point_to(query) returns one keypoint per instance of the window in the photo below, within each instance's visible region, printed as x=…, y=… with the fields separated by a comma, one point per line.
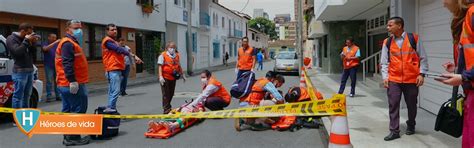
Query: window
x=176, y=2
x=223, y=22
x=215, y=50
x=43, y=32
x=184, y=3
x=143, y=2
x=231, y=49
x=3, y=50
x=193, y=41
x=253, y=36
x=235, y=49
x=99, y=34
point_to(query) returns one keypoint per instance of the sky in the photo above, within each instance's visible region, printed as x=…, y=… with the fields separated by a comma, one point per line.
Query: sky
x=272, y=7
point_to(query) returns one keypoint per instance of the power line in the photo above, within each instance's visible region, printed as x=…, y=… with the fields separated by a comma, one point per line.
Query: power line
x=245, y=6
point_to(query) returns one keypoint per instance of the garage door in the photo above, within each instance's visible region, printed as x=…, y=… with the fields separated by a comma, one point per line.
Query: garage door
x=203, y=51
x=434, y=30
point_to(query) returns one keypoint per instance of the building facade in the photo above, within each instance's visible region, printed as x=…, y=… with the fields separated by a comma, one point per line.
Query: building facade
x=260, y=13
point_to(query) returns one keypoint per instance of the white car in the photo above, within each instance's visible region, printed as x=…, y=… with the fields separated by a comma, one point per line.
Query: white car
x=286, y=61
x=6, y=82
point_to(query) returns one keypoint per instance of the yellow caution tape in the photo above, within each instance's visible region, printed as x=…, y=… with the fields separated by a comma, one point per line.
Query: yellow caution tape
x=334, y=106
x=310, y=86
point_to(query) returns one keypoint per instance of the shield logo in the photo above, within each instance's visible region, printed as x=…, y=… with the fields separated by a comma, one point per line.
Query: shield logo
x=26, y=119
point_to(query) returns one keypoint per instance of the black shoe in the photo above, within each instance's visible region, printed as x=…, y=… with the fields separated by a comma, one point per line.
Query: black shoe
x=74, y=140
x=391, y=136
x=58, y=99
x=410, y=131
x=259, y=127
x=124, y=93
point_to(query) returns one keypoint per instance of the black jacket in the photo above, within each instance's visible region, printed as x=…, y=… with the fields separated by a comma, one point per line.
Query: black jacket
x=22, y=53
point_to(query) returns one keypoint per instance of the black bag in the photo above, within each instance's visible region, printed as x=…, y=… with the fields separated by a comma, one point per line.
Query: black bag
x=449, y=120
x=176, y=75
x=243, y=86
x=110, y=126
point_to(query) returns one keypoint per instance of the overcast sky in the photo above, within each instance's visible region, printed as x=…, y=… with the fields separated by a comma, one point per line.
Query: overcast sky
x=272, y=7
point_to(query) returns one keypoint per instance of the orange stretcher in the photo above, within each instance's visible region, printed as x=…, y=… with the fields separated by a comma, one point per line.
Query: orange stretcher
x=284, y=123
x=164, y=133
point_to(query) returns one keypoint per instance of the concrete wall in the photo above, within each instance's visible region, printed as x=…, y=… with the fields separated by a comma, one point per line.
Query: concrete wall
x=175, y=13
x=407, y=10
x=121, y=12
x=338, y=32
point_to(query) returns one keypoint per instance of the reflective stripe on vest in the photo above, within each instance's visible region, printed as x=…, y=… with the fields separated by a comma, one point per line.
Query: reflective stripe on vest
x=352, y=53
x=169, y=66
x=245, y=59
x=404, y=65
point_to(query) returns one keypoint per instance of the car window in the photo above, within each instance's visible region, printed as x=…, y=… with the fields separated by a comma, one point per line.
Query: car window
x=287, y=56
x=3, y=50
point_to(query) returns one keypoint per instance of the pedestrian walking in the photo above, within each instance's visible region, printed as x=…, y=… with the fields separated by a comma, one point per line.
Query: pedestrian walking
x=21, y=47
x=260, y=60
x=114, y=63
x=128, y=65
x=72, y=75
x=49, y=54
x=350, y=60
x=246, y=58
x=226, y=58
x=169, y=70
x=404, y=64
x=463, y=35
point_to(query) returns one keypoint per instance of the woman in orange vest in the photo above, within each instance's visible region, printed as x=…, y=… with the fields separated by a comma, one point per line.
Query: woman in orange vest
x=463, y=40
x=350, y=60
x=246, y=58
x=214, y=96
x=270, y=83
x=169, y=70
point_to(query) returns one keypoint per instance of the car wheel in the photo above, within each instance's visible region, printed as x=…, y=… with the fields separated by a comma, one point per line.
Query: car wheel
x=34, y=98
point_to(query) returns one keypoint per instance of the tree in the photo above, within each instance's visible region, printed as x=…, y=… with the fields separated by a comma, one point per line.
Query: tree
x=263, y=25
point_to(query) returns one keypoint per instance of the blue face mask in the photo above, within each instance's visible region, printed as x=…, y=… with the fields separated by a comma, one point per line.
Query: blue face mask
x=78, y=35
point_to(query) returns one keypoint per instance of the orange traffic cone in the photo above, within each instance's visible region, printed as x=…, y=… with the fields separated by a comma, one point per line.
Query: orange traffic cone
x=339, y=137
x=302, y=80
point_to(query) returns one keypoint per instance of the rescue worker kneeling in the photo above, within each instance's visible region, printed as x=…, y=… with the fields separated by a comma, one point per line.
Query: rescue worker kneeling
x=270, y=83
x=214, y=97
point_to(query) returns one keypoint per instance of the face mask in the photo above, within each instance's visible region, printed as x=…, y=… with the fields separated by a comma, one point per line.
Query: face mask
x=204, y=81
x=171, y=50
x=78, y=35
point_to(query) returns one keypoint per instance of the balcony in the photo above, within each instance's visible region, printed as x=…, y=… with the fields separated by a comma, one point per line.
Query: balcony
x=238, y=33
x=205, y=20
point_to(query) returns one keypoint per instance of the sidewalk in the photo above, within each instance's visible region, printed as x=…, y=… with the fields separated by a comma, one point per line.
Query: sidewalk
x=368, y=118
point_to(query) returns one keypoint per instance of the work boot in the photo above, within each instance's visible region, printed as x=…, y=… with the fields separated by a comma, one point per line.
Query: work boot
x=391, y=136
x=75, y=140
x=259, y=127
x=410, y=131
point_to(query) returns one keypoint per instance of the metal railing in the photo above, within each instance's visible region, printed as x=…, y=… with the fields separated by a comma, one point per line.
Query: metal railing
x=375, y=57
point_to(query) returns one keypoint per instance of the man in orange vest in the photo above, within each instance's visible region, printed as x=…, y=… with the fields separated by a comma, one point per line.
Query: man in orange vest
x=404, y=64
x=114, y=63
x=246, y=58
x=350, y=60
x=169, y=70
x=72, y=75
x=214, y=96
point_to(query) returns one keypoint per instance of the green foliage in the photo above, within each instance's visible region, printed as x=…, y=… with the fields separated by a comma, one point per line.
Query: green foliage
x=266, y=26
x=157, y=45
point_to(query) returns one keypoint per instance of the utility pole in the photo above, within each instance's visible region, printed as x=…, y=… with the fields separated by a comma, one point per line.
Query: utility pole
x=299, y=32
x=189, y=49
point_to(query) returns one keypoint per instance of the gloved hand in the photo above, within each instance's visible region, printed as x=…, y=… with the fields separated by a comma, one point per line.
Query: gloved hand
x=162, y=80
x=73, y=87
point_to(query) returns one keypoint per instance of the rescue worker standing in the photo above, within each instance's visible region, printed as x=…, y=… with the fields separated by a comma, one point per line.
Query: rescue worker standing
x=246, y=58
x=72, y=76
x=114, y=63
x=404, y=63
x=350, y=60
x=169, y=70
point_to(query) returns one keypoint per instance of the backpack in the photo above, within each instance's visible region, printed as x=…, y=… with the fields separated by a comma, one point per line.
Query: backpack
x=110, y=126
x=243, y=86
x=411, y=39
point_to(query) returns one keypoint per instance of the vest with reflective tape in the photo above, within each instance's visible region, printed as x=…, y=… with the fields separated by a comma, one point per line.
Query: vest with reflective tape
x=221, y=92
x=111, y=59
x=404, y=65
x=258, y=92
x=352, y=53
x=80, y=64
x=170, y=65
x=467, y=45
x=245, y=59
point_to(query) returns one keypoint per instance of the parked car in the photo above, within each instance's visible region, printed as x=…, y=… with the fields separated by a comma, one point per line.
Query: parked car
x=6, y=82
x=286, y=61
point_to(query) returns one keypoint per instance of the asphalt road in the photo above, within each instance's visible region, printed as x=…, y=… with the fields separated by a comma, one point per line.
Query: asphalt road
x=146, y=99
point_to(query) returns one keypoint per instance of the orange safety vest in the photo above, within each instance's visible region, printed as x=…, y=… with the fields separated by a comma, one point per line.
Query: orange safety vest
x=258, y=92
x=80, y=64
x=352, y=53
x=170, y=65
x=467, y=41
x=221, y=93
x=404, y=66
x=111, y=59
x=245, y=58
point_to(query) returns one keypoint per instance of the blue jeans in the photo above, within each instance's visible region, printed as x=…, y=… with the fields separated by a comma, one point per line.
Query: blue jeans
x=23, y=85
x=351, y=72
x=74, y=103
x=50, y=74
x=114, y=78
x=125, y=74
x=260, y=65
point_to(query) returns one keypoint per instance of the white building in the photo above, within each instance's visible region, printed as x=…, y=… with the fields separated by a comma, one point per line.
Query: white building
x=221, y=35
x=260, y=13
x=257, y=39
x=177, y=17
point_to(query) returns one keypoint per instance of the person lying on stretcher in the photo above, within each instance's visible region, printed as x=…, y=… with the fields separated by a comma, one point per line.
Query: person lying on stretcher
x=214, y=97
x=269, y=84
